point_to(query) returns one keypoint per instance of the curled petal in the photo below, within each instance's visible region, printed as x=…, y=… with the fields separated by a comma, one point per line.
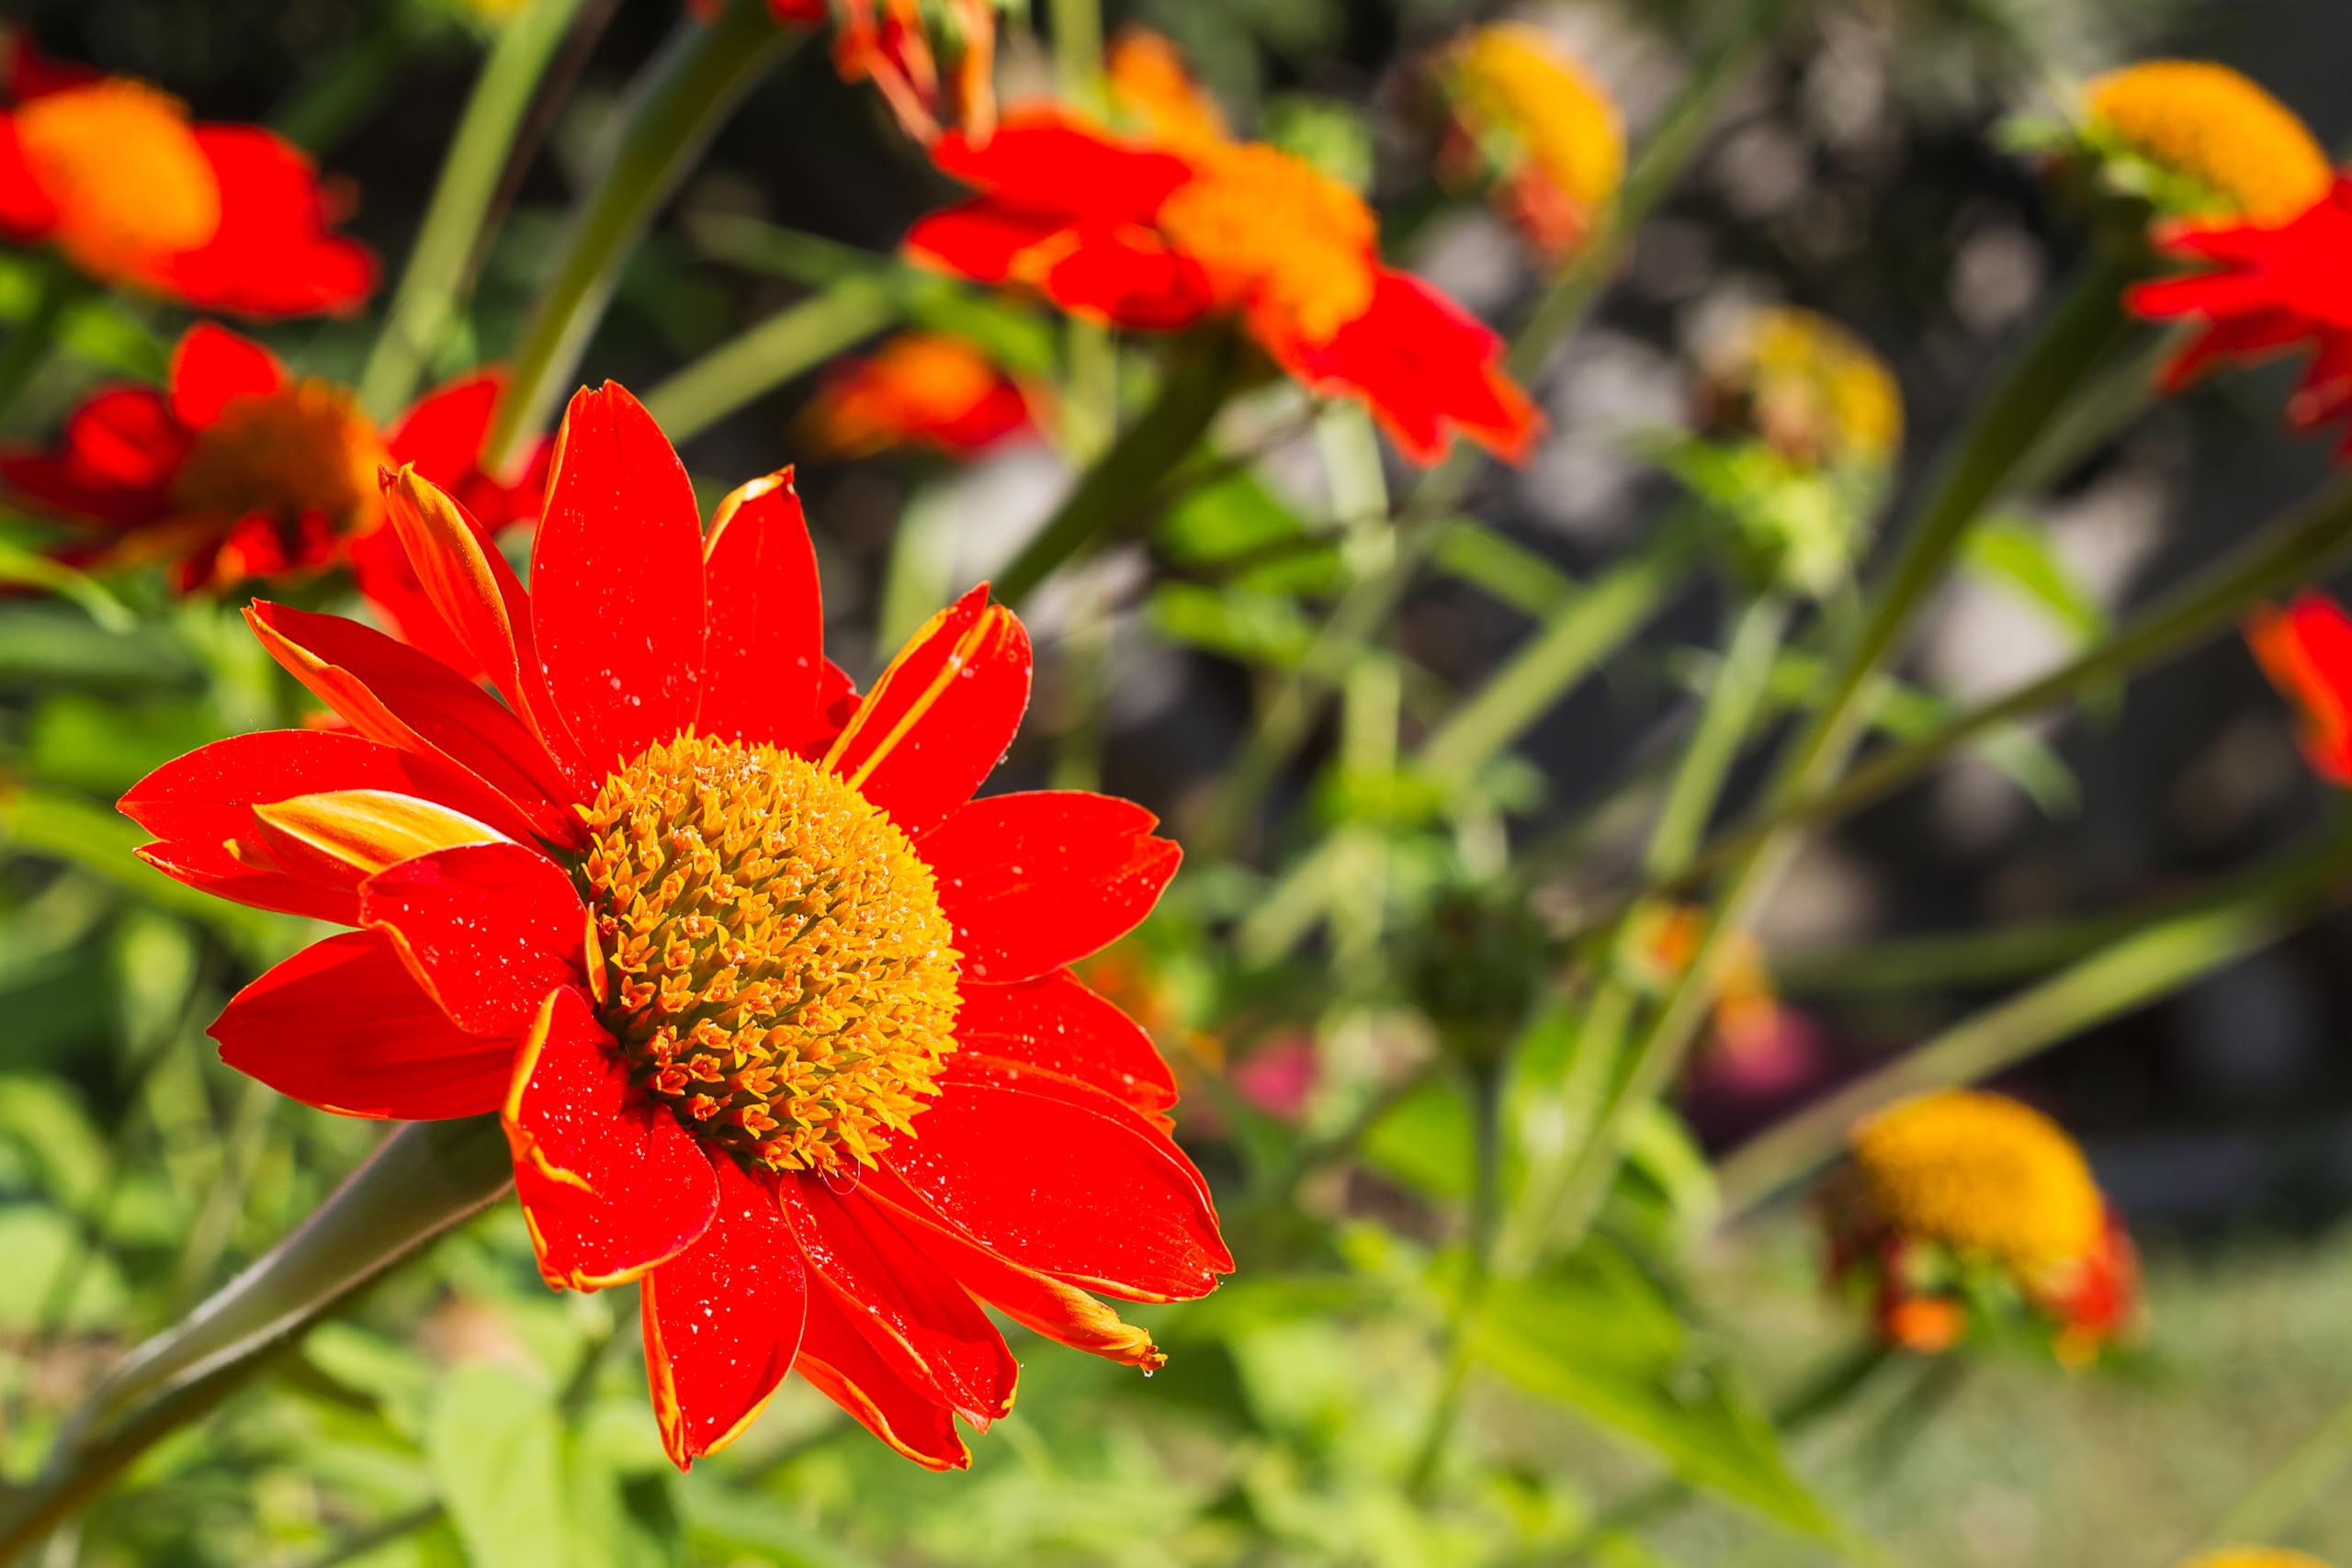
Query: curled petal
x=611, y=1185
x=1037, y=880
x=941, y=714
x=722, y=1320
x=339, y=837
x=486, y=928
x=841, y=1363
x=344, y=1026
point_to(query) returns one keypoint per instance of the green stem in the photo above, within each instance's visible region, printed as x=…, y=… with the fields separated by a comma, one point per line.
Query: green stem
x=676, y=106
x=1741, y=682
x=2297, y=547
x=433, y=287
x=1103, y=503
x=766, y=356
x=425, y=1179
x=2154, y=962
x=2288, y=1490
x=336, y=94
x=2073, y=339
x=1436, y=1436
x=1078, y=50
x=60, y=288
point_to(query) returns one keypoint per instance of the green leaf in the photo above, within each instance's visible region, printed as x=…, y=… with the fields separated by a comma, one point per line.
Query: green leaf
x=1595, y=1334
x=1427, y=1140
x=1478, y=555
x=495, y=1446
x=2017, y=553
x=1253, y=629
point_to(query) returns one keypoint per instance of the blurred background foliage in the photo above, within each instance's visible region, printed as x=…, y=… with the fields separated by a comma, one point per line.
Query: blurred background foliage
x=461, y=1413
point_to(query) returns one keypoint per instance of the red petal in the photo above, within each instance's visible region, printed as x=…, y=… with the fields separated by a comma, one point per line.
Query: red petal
x=940, y=715
x=196, y=804
x=442, y=436
x=916, y=1315
x=973, y=1066
x=213, y=367
x=1056, y=1025
x=271, y=255
x=339, y=837
x=1037, y=880
x=616, y=581
x=27, y=211
x=392, y=693
x=766, y=652
x=1045, y=162
x=722, y=1320
x=114, y=464
x=611, y=1185
x=840, y=1363
x=1063, y=1191
x=982, y=239
x=1063, y=1313
x=487, y=928
x=1125, y=275
x=343, y=1026
x=484, y=607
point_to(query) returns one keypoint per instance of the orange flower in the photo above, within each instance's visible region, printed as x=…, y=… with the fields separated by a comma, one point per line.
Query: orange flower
x=114, y=175
x=239, y=469
x=1950, y=1191
x=1528, y=116
x=2306, y=649
x=918, y=389
x=779, y=1019
x=900, y=46
x=1160, y=238
x=1152, y=88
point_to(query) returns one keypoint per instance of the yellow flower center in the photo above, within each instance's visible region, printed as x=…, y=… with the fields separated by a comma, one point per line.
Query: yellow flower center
x=2255, y=1557
x=2210, y=123
x=302, y=447
x=1813, y=390
x=130, y=183
x=1982, y=1174
x=1513, y=81
x=1277, y=235
x=776, y=966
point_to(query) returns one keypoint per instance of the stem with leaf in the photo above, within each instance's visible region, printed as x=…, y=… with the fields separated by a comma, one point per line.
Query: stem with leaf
x=675, y=108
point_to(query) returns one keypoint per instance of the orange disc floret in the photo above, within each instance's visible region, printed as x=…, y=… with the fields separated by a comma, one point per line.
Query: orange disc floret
x=1277, y=237
x=918, y=389
x=122, y=162
x=301, y=446
x=776, y=967
x=2212, y=126
x=1545, y=130
x=1983, y=1175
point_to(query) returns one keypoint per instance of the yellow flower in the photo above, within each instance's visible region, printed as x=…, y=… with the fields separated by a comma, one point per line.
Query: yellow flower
x=2255, y=1557
x=1549, y=131
x=1983, y=1176
x=1811, y=390
x=2210, y=126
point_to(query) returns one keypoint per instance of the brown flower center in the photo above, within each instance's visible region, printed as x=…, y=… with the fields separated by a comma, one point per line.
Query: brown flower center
x=777, y=969
x=303, y=447
x=130, y=183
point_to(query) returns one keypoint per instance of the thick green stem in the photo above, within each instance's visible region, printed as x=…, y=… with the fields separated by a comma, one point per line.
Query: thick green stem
x=2152, y=963
x=675, y=108
x=425, y=1179
x=1110, y=499
x=2072, y=340
x=433, y=287
x=766, y=356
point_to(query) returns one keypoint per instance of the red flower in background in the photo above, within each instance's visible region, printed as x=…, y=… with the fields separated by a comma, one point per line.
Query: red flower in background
x=2306, y=649
x=239, y=469
x=889, y=43
x=918, y=389
x=779, y=1019
x=1158, y=239
x=2269, y=288
x=113, y=175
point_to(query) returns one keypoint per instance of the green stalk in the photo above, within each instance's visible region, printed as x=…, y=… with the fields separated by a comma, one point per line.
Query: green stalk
x=2297, y=547
x=2155, y=961
x=337, y=94
x=59, y=288
x=2292, y=1486
x=2072, y=340
x=676, y=106
x=433, y=287
x=766, y=356
x=1107, y=500
x=425, y=1179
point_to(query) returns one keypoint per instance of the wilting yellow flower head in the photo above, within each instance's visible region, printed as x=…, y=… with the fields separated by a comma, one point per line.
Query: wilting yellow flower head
x=1550, y=129
x=1983, y=1176
x=2255, y=1557
x=2212, y=126
x=1810, y=388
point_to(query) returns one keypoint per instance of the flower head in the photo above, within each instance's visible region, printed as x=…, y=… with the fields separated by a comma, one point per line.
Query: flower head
x=2266, y=288
x=1958, y=1197
x=2205, y=140
x=776, y=1017
x=240, y=469
x=1807, y=387
x=931, y=60
x=114, y=175
x=1152, y=88
x=1531, y=119
x=2255, y=1557
x=2306, y=649
x=1160, y=238
x=918, y=389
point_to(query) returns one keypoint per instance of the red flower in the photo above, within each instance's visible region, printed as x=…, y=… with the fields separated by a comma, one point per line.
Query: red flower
x=2270, y=288
x=889, y=43
x=918, y=389
x=777, y=1017
x=1158, y=239
x=239, y=469
x=2306, y=649
x=111, y=172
